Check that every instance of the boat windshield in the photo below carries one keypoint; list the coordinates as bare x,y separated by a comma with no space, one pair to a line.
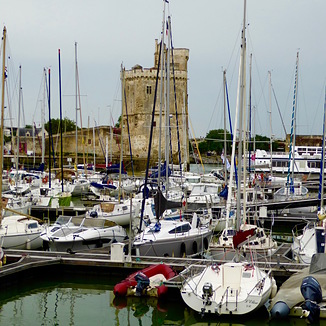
61,220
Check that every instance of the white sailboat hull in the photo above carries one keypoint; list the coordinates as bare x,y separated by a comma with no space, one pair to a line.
235,289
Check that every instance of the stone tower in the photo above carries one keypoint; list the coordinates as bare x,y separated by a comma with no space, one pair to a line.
139,84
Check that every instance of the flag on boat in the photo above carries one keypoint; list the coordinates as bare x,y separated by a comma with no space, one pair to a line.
225,159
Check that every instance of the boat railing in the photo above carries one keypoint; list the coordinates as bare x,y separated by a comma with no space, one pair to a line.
226,296
299,228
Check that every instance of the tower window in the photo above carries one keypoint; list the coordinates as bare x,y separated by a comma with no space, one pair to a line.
149,89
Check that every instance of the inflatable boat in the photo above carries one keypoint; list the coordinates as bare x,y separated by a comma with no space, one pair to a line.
147,282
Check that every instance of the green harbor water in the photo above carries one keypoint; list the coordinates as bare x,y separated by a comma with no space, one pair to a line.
89,300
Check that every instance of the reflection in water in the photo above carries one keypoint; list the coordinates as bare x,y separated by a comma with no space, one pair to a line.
62,303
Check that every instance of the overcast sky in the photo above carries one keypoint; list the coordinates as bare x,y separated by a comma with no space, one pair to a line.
110,33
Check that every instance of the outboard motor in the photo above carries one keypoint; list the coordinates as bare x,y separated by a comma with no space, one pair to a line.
142,283
312,293
207,293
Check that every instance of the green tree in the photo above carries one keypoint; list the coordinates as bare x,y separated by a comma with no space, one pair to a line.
215,140
68,125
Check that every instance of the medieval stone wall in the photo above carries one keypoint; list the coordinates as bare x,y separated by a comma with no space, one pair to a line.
140,86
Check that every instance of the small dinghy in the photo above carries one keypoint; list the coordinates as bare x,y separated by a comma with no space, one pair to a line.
147,282
302,294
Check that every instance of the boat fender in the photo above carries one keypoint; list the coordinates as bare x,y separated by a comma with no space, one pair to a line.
274,289
93,214
205,243
183,249
280,310
194,247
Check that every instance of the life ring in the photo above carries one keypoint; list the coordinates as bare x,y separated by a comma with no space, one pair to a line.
45,179
183,249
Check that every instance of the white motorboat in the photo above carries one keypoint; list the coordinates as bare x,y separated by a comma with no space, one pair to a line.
19,232
71,234
17,204
203,195
116,212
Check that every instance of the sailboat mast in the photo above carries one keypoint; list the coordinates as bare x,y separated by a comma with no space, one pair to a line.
161,99
241,113
76,101
61,127
50,128
43,118
94,147
270,119
249,117
224,104
18,121
293,128
167,109
322,165
121,127
2,110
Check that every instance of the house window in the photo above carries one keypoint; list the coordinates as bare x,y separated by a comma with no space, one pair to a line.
149,89
89,141
154,123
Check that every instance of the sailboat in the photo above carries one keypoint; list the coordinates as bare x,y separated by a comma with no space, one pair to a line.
16,231
257,239
311,239
237,287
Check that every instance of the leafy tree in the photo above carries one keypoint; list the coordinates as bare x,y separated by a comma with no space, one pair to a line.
68,125
215,140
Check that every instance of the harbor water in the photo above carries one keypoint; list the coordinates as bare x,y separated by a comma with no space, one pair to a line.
89,300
